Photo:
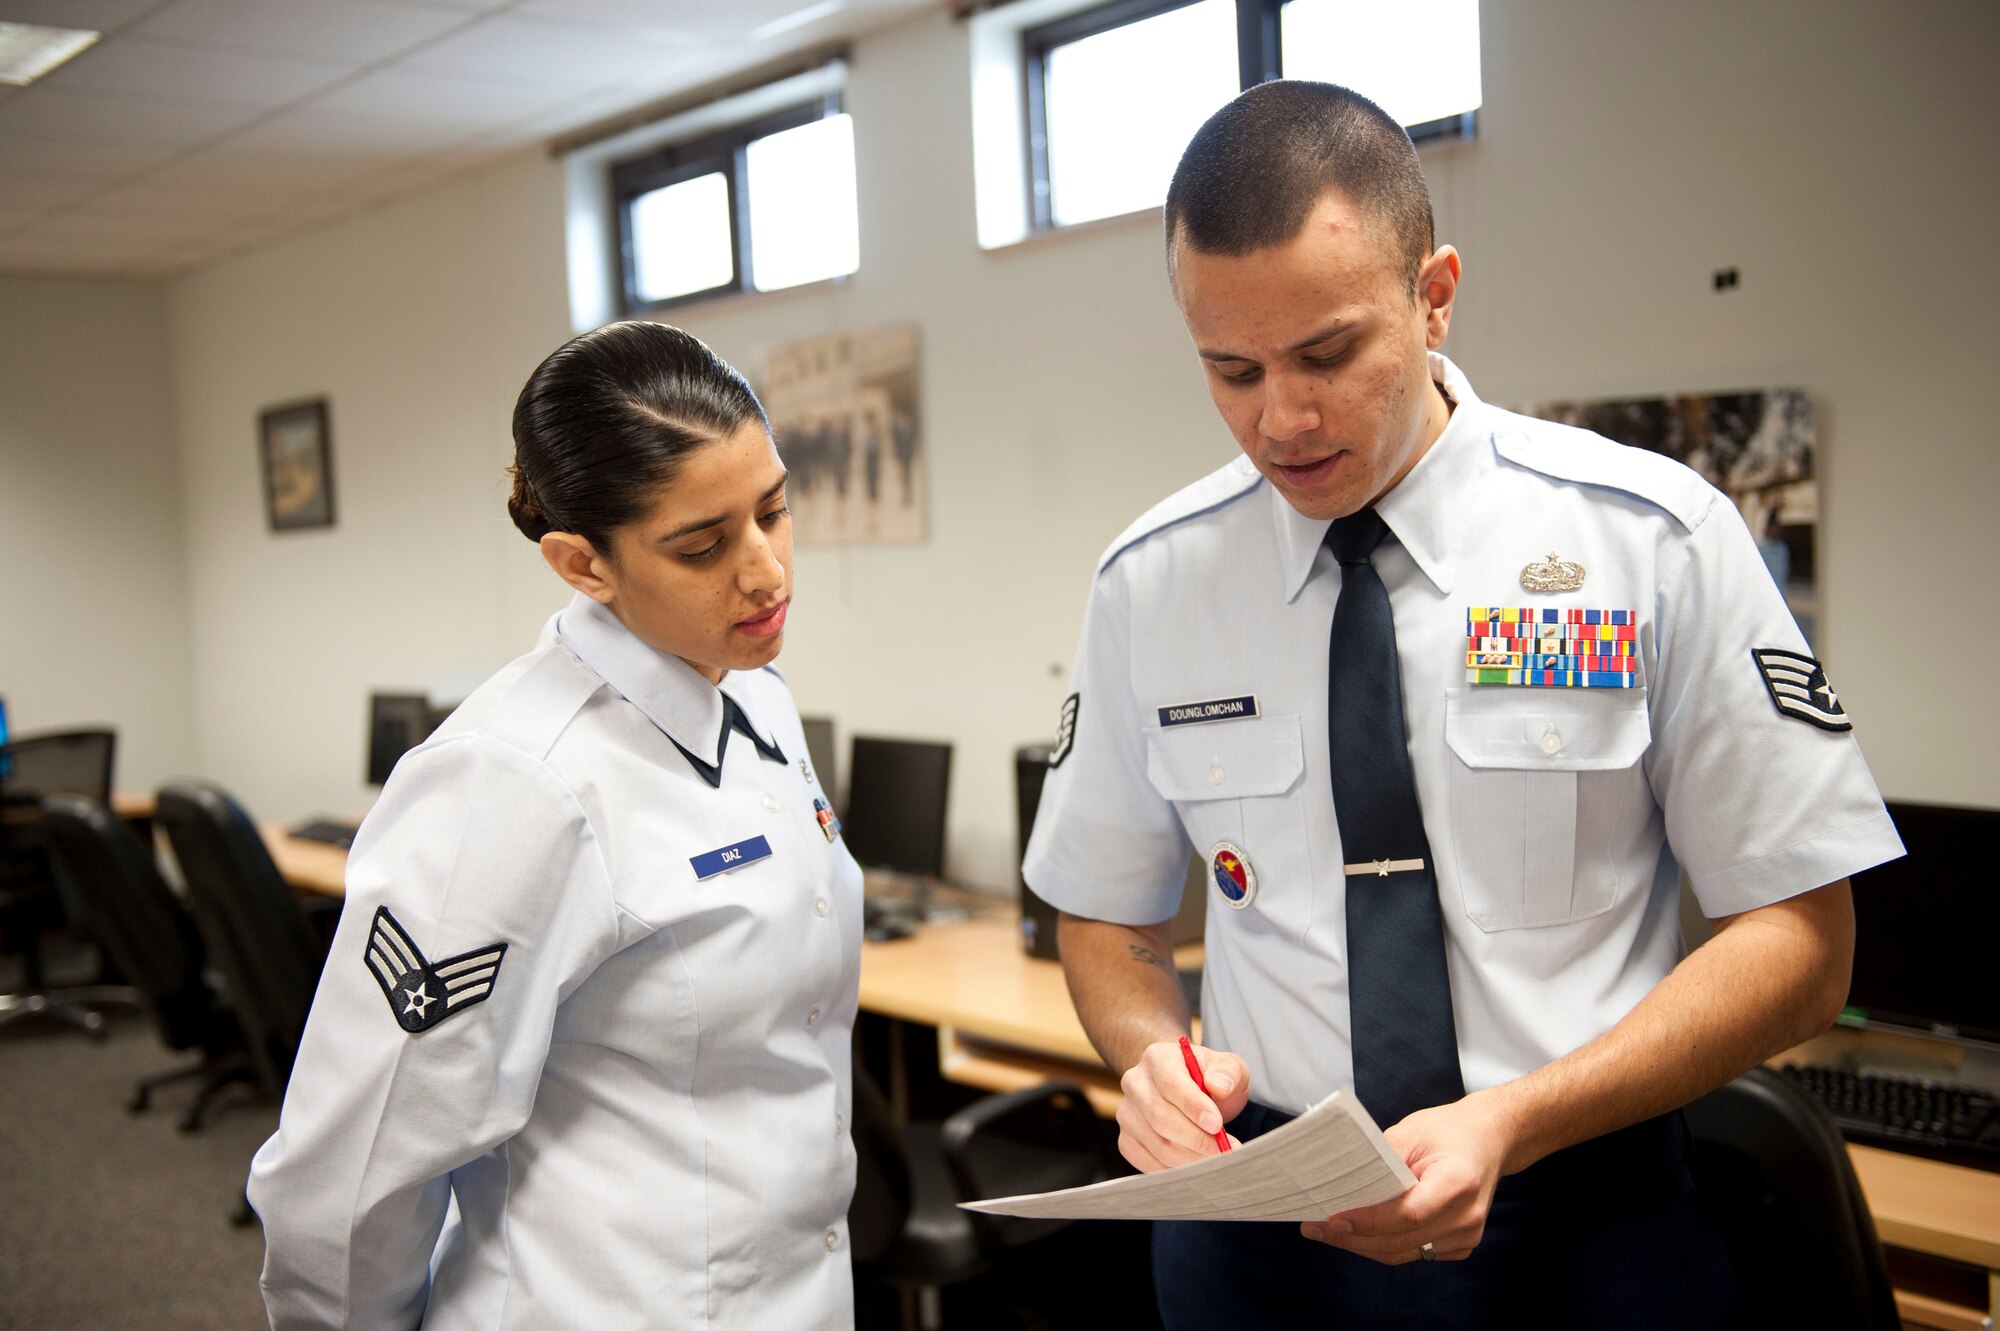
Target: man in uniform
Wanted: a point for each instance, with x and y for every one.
(1448, 698)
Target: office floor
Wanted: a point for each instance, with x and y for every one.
(114, 1219)
(111, 1219)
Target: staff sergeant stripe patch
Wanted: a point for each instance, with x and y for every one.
(1799, 689)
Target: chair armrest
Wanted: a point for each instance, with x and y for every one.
(1075, 1154)
(1065, 1097)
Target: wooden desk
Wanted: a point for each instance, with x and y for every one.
(1004, 1021)
(1003, 1018)
(309, 866)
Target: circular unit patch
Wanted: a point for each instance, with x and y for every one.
(1234, 877)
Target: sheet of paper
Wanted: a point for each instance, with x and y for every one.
(1330, 1158)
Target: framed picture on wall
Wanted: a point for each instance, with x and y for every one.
(298, 466)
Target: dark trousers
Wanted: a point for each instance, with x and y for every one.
(1608, 1233)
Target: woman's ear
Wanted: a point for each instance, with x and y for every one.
(577, 563)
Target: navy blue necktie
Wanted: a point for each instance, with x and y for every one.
(1399, 993)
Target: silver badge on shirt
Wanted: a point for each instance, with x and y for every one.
(1552, 575)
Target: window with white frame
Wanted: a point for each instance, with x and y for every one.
(1110, 94)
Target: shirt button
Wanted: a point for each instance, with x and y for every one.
(812, 1018)
(771, 803)
(1551, 742)
(820, 906)
(1215, 775)
(832, 1240)
(839, 1125)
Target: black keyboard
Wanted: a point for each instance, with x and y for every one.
(332, 833)
(1921, 1117)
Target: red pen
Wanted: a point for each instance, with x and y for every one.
(1194, 1070)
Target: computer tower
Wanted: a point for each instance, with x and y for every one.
(1038, 917)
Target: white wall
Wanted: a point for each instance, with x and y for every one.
(93, 596)
(1837, 154)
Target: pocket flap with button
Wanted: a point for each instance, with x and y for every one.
(1550, 730)
(1226, 759)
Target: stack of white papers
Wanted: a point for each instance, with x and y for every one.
(1330, 1158)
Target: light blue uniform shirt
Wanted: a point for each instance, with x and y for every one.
(1558, 818)
(643, 1121)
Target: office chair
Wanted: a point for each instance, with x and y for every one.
(1776, 1177)
(904, 1225)
(152, 939)
(35, 899)
(254, 928)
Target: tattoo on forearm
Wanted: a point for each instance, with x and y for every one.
(1151, 958)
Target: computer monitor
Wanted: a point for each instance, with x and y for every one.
(397, 723)
(1927, 927)
(896, 791)
(819, 749)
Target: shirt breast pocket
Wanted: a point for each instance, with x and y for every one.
(1523, 761)
(1237, 781)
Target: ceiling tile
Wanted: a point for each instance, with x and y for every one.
(74, 161)
(462, 6)
(83, 228)
(446, 99)
(139, 68)
(96, 15)
(277, 180)
(313, 129)
(147, 199)
(50, 113)
(354, 30)
(538, 51)
(32, 189)
(706, 22)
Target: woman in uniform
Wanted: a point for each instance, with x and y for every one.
(579, 1056)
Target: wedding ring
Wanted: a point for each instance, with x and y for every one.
(1429, 1252)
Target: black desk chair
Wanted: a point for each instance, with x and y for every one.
(904, 1224)
(152, 939)
(1776, 1177)
(34, 899)
(255, 929)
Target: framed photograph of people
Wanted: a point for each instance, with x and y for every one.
(1757, 446)
(844, 413)
(298, 466)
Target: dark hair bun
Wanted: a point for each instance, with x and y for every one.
(608, 418)
(523, 507)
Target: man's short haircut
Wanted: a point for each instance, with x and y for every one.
(1255, 169)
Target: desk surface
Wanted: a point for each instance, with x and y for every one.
(972, 977)
(309, 866)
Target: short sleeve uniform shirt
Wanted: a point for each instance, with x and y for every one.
(1559, 818)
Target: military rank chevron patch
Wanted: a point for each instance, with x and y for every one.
(1798, 685)
(423, 993)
